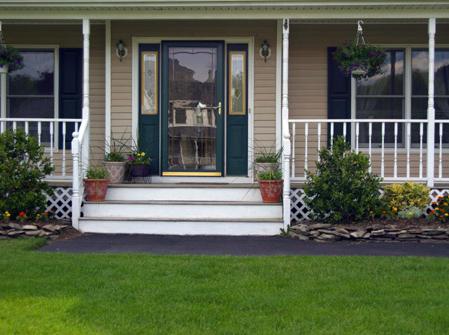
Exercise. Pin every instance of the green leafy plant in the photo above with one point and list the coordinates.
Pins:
(401, 197)
(410, 213)
(270, 175)
(23, 167)
(267, 155)
(343, 189)
(360, 60)
(117, 149)
(97, 172)
(10, 57)
(114, 157)
(440, 209)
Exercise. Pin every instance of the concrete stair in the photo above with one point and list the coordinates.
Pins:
(183, 209)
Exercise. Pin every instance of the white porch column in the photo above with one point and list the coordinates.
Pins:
(430, 106)
(86, 98)
(286, 145)
(107, 118)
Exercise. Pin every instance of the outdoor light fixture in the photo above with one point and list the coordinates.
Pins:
(121, 50)
(265, 51)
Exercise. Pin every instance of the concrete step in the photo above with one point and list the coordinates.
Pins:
(169, 192)
(207, 226)
(182, 210)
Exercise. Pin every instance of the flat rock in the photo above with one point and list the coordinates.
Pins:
(379, 232)
(320, 226)
(406, 236)
(51, 227)
(13, 225)
(358, 233)
(14, 233)
(29, 227)
(32, 232)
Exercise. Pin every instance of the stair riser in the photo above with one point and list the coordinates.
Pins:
(180, 228)
(180, 212)
(184, 194)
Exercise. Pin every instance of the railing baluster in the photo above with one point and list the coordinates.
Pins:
(421, 126)
(14, 125)
(382, 153)
(2, 126)
(395, 167)
(440, 152)
(370, 133)
(344, 130)
(408, 139)
(26, 128)
(332, 134)
(39, 132)
(319, 140)
(51, 143)
(63, 146)
(357, 134)
(306, 147)
(293, 144)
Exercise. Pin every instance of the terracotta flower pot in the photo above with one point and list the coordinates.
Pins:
(271, 190)
(116, 171)
(139, 170)
(95, 189)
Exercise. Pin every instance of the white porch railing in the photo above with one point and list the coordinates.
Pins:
(53, 134)
(397, 149)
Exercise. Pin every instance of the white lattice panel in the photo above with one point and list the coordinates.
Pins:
(60, 204)
(300, 212)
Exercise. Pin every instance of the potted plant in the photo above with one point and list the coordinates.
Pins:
(139, 164)
(360, 61)
(267, 160)
(10, 59)
(96, 183)
(270, 184)
(115, 164)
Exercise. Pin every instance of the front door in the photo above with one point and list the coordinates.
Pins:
(192, 108)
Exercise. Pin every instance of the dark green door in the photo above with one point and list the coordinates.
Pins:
(192, 113)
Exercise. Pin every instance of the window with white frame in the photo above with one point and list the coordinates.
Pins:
(400, 92)
(31, 90)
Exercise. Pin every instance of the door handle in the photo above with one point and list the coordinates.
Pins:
(219, 108)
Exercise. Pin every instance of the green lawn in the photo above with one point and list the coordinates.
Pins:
(47, 293)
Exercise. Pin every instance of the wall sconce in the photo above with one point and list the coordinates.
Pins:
(121, 50)
(265, 51)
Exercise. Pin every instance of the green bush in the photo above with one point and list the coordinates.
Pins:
(23, 167)
(97, 172)
(342, 189)
(401, 197)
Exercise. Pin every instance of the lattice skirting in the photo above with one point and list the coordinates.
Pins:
(300, 212)
(60, 204)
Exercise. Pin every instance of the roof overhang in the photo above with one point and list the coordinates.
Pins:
(223, 9)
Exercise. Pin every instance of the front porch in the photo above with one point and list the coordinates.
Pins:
(292, 101)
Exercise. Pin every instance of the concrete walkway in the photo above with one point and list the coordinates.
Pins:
(241, 246)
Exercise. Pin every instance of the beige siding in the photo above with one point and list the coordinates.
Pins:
(70, 36)
(264, 76)
(308, 80)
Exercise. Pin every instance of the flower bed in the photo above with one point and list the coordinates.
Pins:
(402, 231)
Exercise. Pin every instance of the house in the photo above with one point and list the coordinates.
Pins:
(203, 85)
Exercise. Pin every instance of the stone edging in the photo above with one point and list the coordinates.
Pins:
(11, 230)
(322, 232)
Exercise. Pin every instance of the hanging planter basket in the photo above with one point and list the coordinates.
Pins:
(359, 59)
(10, 59)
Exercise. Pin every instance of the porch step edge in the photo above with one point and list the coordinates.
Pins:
(182, 202)
(150, 219)
(186, 185)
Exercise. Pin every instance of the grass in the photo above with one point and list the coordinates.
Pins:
(48, 293)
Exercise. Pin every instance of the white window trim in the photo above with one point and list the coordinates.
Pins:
(55, 49)
(407, 95)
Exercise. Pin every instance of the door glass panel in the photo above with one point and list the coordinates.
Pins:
(192, 114)
(149, 77)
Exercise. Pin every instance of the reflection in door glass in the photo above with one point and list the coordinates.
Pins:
(192, 126)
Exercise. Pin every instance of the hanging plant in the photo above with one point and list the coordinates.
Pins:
(360, 59)
(10, 58)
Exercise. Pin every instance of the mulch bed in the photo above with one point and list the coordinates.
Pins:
(418, 230)
(60, 230)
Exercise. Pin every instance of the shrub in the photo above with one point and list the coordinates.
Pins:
(342, 189)
(402, 197)
(440, 209)
(23, 167)
(97, 172)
